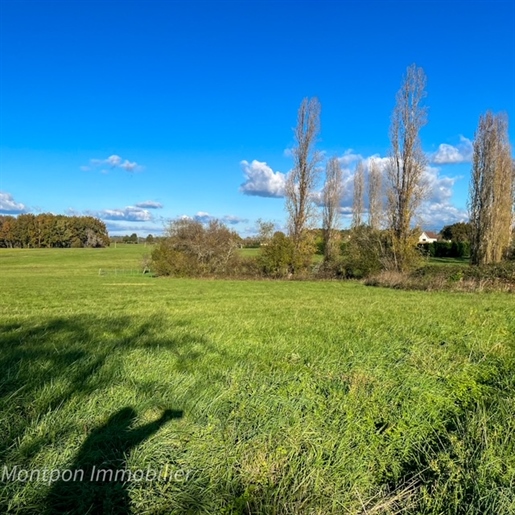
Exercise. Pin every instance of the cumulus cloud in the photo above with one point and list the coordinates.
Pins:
(436, 215)
(449, 154)
(261, 180)
(112, 162)
(128, 214)
(128, 166)
(348, 158)
(204, 217)
(150, 204)
(439, 186)
(8, 206)
(437, 209)
(233, 220)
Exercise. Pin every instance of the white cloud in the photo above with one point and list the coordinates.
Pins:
(128, 166)
(233, 220)
(204, 217)
(112, 162)
(149, 204)
(261, 180)
(449, 154)
(128, 214)
(437, 210)
(439, 187)
(348, 158)
(8, 206)
(436, 215)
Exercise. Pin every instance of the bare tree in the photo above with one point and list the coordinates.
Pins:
(358, 202)
(491, 190)
(407, 162)
(301, 181)
(332, 196)
(375, 196)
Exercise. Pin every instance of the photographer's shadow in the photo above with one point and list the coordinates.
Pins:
(99, 472)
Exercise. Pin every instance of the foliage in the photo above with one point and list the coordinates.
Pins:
(276, 256)
(364, 251)
(191, 249)
(367, 251)
(453, 276)
(47, 230)
(454, 249)
(459, 232)
(133, 239)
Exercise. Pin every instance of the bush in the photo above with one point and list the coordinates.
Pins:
(500, 277)
(363, 253)
(277, 256)
(192, 249)
(76, 243)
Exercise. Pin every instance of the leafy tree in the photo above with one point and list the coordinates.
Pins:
(459, 232)
(49, 230)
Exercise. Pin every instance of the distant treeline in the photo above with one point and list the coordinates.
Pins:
(48, 230)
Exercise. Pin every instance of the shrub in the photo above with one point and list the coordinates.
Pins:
(191, 248)
(277, 256)
(76, 243)
(363, 254)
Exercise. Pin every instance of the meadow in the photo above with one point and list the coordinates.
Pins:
(249, 397)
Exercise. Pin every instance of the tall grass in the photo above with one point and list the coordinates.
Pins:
(254, 397)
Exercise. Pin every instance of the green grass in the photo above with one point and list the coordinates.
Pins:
(270, 397)
(250, 252)
(465, 261)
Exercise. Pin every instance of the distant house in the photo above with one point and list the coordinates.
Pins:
(427, 237)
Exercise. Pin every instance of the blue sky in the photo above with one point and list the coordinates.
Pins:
(142, 111)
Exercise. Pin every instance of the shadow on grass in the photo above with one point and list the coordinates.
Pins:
(99, 473)
(43, 366)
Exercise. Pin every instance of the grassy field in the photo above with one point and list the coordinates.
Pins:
(248, 396)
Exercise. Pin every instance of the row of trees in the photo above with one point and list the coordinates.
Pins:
(49, 230)
(405, 188)
(394, 208)
(387, 239)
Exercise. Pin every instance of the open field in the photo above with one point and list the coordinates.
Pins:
(249, 396)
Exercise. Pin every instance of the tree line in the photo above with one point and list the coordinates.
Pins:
(48, 230)
(386, 239)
